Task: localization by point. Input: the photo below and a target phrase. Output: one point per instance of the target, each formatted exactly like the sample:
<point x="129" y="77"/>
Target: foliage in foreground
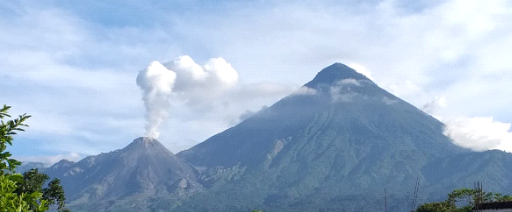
<point x="23" y="192"/>
<point x="470" y="197"/>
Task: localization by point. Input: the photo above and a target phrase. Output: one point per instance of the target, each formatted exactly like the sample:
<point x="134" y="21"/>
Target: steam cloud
<point x="181" y="79"/>
<point x="156" y="82"/>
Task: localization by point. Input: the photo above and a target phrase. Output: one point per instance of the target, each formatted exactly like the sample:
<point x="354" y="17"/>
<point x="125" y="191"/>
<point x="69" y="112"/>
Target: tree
<point x="7" y="130"/>
<point x="23" y="192"/>
<point x="33" y="181"/>
<point x="463" y="200"/>
<point x="54" y="193"/>
<point x="435" y="207"/>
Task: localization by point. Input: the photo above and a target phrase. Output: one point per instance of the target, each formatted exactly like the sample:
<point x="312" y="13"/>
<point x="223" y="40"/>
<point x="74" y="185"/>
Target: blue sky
<point x="73" y="66"/>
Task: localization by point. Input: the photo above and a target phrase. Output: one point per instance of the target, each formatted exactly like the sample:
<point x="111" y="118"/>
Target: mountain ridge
<point x="342" y="147"/>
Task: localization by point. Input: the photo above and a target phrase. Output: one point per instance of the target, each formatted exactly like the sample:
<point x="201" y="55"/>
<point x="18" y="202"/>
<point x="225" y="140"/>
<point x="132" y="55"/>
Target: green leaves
<point x="23" y="192"/>
<point x="10" y="201"/>
<point x="33" y="181"/>
<point x="3" y="111"/>
<point x="7" y="130"/>
<point x="55" y="194"/>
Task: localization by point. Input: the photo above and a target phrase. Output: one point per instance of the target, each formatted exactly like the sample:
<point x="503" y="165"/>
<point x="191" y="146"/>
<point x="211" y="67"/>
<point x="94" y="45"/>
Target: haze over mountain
<point x="336" y="147"/>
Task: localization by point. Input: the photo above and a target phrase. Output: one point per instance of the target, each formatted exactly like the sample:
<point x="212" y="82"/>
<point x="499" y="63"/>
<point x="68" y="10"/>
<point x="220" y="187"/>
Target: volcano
<point x="347" y="111"/>
<point x="348" y="145"/>
<point x="139" y="177"/>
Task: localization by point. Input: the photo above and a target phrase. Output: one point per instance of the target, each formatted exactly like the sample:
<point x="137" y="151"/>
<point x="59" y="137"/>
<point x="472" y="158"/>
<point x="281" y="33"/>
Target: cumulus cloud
<point x="200" y="85"/>
<point x="479" y="133"/>
<point x="216" y="74"/>
<point x="475" y="133"/>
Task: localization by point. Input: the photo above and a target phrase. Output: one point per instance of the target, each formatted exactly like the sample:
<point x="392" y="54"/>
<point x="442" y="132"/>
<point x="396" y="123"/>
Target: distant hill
<point x="25" y="166"/>
<point x="345" y="145"/>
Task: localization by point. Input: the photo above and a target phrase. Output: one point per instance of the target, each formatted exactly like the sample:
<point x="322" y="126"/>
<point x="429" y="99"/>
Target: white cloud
<point x="79" y="73"/>
<point x="263" y="89"/>
<point x="388" y="100"/>
<point x="436" y="104"/>
<point x="404" y="88"/>
<point x="215" y="74"/>
<point x="55" y="68"/>
<point x="206" y="97"/>
<point x="182" y="79"/>
<point x="411" y="53"/>
<point x="304" y="90"/>
<point x="361" y="69"/>
<point x="479" y="133"/>
<point x="342" y="90"/>
<point x="475" y="133"/>
<point x="345" y="82"/>
<point x="338" y="94"/>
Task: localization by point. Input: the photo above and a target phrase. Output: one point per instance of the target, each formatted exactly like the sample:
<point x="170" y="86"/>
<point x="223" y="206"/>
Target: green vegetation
<point x="23" y="192"/>
<point x="463" y="200"/>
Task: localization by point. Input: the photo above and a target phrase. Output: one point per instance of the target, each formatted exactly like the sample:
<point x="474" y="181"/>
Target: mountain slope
<point x="345" y="145"/>
<point x="139" y="177"/>
<point x="336" y="149"/>
<point x="344" y="105"/>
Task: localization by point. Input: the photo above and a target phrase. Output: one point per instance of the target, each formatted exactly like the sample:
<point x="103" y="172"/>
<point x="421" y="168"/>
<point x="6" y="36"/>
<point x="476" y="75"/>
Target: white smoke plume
<point x="182" y="79"/>
<point x="156" y="82"/>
